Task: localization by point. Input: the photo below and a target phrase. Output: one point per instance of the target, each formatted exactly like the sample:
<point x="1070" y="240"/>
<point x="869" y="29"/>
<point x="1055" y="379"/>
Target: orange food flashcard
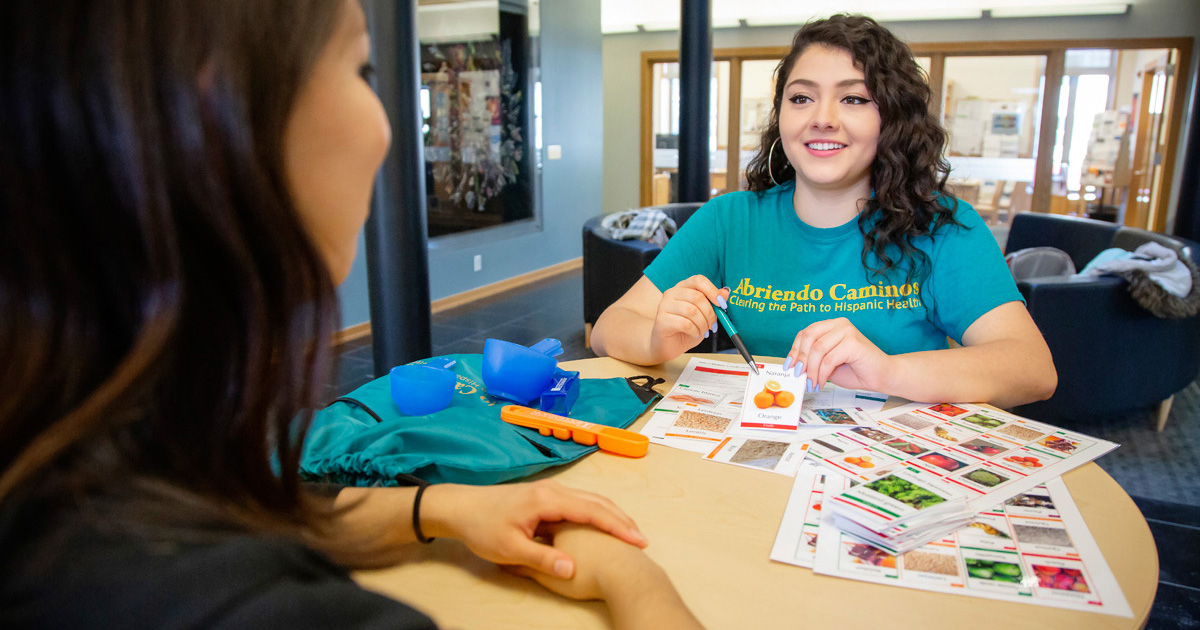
<point x="773" y="399"/>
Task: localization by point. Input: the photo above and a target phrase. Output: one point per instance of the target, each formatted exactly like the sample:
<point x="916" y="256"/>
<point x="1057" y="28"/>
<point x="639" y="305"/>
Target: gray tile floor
<point x="550" y="308"/>
<point x="1160" y="470"/>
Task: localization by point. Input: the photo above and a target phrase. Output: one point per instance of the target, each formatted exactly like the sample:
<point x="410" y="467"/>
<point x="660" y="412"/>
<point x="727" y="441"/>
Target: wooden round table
<point x="712" y="526"/>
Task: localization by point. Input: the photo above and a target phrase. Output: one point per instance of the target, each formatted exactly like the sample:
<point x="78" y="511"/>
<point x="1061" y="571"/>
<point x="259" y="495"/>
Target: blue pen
<point x="737" y="339"/>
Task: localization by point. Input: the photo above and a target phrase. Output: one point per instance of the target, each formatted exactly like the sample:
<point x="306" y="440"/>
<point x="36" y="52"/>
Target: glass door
<point x="664" y="121"/>
<point x="991" y="107"/>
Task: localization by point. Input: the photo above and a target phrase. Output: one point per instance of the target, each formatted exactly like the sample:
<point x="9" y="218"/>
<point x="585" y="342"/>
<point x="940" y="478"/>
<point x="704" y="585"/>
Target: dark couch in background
<point x="611" y="267"/>
<point x="1112" y="355"/>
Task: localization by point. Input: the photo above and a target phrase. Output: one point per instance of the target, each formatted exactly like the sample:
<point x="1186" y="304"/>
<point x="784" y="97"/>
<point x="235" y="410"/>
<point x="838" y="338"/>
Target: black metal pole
<point x="397" y="263"/>
<point x="695" y="76"/>
<point x="1187" y="210"/>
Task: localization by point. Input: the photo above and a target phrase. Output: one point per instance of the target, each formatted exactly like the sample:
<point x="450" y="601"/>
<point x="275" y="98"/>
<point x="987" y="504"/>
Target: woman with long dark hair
<point x="181" y="186"/>
<point x="847" y="256"/>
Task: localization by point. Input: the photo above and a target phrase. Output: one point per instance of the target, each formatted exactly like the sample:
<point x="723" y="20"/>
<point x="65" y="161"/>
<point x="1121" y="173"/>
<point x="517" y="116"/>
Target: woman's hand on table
<point x="638" y="591"/>
<point x="685" y="315"/>
<point x="834" y="350"/>
<point x="499" y="523"/>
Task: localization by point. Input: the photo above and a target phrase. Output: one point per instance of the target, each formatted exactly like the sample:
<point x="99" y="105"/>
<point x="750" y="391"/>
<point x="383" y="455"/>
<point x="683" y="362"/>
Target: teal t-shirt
<point x="786" y="274"/>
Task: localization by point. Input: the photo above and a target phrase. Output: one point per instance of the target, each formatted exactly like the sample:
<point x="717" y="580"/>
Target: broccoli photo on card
<point x="773" y="400"/>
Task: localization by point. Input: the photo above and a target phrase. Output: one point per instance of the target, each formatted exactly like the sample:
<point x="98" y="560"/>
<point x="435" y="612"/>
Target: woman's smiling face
<point x="828" y="123"/>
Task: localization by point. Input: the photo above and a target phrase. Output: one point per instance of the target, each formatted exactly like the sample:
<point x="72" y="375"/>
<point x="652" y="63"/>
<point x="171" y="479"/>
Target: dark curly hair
<point x="909" y="171"/>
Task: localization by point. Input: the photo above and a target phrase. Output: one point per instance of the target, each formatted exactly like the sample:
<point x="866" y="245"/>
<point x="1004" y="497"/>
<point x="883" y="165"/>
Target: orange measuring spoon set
<point x="608" y="438"/>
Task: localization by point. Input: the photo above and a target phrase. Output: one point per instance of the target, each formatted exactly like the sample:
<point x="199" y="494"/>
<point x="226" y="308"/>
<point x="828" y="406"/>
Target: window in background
<point x="665" y="129"/>
<point x="991" y="107"/>
<point x="758" y="91"/>
<point x="925" y="63"/>
<point x="478" y="63"/>
<point x="1085" y="93"/>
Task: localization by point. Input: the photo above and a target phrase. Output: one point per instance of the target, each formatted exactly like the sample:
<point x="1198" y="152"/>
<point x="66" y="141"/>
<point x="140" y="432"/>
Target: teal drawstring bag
<point x="362" y="439"/>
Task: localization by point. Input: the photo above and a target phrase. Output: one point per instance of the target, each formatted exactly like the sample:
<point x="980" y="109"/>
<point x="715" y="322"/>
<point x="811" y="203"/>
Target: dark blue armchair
<point x="1112" y="355"/>
<point x="611" y="267"/>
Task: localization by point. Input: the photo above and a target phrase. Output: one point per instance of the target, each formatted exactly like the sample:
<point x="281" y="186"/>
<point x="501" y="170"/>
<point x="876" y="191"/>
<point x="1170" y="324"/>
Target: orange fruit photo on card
<point x="771" y="401"/>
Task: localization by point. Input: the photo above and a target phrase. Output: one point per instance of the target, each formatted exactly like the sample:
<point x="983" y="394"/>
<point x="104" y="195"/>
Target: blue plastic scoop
<point x="517" y="373"/>
<point x="422" y="389"/>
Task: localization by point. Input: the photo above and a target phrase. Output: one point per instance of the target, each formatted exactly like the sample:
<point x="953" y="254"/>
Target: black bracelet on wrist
<point x="416" y="513"/>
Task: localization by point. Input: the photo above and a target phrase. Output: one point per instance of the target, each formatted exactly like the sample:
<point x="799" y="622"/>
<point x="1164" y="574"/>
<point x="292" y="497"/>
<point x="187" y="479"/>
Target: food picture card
<point x="777" y="456"/>
<point x="796" y="540"/>
<point x="988" y="454"/>
<point x="700" y="407"/>
<point x="833" y="397"/>
<point x="906" y="495"/>
<point x="696" y="429"/>
<point x="773" y="400"/>
<point x="1033" y="549"/>
<point x="835" y="417"/>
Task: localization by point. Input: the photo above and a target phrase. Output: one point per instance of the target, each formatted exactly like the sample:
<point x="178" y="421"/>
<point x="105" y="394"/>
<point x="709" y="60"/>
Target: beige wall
<point x="622" y="58"/>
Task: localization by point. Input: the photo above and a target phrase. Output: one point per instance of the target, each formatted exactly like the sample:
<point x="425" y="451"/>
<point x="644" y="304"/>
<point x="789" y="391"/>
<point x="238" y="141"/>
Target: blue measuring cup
<point x="421" y="389"/>
<point x="517" y="373"/>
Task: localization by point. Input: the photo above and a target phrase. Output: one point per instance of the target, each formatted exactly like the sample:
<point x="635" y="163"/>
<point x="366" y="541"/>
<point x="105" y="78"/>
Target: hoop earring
<point x="771" y="158"/>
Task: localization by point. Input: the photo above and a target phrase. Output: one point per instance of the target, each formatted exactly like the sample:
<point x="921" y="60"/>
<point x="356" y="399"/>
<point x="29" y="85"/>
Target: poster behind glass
<point x="478" y="66"/>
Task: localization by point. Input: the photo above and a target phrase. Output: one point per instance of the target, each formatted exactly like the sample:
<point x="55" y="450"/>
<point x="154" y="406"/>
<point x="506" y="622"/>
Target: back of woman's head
<point x="909" y="171"/>
<point x="163" y="311"/>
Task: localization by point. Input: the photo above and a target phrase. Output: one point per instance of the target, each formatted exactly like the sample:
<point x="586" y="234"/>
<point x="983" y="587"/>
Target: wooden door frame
<point x="733" y="55"/>
<point x="1054" y="50"/>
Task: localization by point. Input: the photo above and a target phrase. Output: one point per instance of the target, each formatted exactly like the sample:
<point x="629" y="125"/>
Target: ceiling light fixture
<point x="1050" y="10"/>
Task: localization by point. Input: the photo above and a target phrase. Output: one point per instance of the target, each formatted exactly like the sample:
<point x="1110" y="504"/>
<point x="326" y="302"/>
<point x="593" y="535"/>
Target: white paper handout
<point x="838" y="417"/>
<point x="698" y="411"/>
<point x="1034" y="549"/>
<point x="796" y="542"/>
<point x="833" y="397"/>
<point x="988" y="454"/>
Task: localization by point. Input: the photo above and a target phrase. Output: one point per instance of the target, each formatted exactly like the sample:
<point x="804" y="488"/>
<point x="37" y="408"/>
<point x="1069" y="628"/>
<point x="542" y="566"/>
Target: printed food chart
<point x="796" y="541"/>
<point x="705" y="404"/>
<point x="698" y="411"/>
<point x="1035" y="548"/>
<point x="988" y="454"/>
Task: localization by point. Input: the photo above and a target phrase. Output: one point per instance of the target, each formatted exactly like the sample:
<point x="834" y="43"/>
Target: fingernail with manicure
<point x="562" y="568"/>
<point x="707" y="333"/>
<point x="799" y="369"/>
<point x="714" y="327"/>
<point x="721" y="302"/>
<point x="787" y="363"/>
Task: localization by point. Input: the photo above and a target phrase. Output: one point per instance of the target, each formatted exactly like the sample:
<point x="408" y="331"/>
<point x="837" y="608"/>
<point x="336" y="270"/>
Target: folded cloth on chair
<point x="1159" y="279"/>
<point x="649" y="225"/>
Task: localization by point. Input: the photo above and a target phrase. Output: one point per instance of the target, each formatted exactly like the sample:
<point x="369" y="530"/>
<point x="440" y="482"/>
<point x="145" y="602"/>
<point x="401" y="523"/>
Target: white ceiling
<point x="624" y="16"/>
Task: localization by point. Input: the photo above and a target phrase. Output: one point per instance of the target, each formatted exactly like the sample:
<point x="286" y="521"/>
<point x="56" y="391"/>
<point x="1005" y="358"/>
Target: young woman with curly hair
<point x="847" y="255"/>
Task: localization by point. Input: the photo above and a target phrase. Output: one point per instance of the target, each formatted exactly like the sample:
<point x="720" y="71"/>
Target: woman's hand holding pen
<point x="834" y="350"/>
<point x="685" y="316"/>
